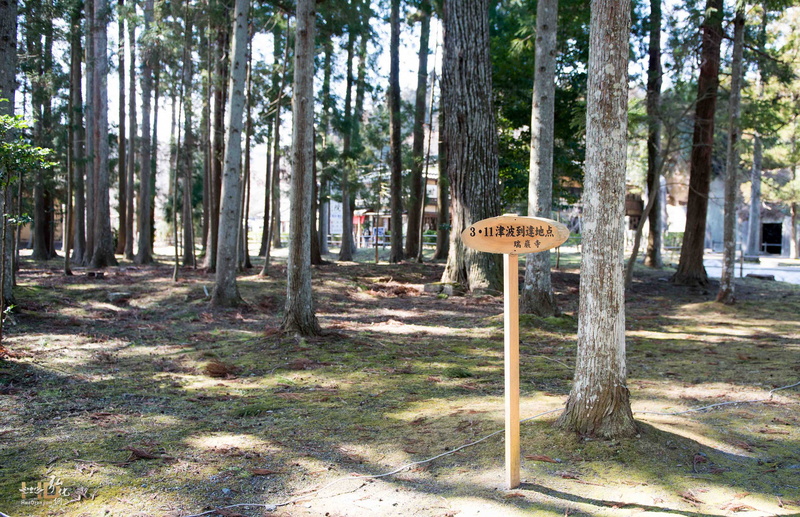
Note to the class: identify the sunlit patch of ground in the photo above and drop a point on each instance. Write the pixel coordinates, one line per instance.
(118, 400)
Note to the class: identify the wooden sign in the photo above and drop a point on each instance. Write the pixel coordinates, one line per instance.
(513, 235)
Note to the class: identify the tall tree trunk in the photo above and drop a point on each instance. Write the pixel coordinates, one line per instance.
(652, 256)
(172, 168)
(41, 102)
(131, 166)
(154, 145)
(356, 146)
(690, 269)
(218, 147)
(417, 197)
(79, 137)
(395, 155)
(325, 128)
(188, 143)
(346, 250)
(91, 151)
(471, 136)
(537, 296)
(299, 316)
(8, 67)
(442, 196)
(726, 288)
(244, 251)
(205, 133)
(103, 253)
(262, 250)
(226, 292)
(122, 178)
(275, 225)
(316, 256)
(754, 220)
(599, 402)
(145, 245)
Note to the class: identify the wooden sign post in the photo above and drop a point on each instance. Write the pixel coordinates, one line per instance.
(512, 235)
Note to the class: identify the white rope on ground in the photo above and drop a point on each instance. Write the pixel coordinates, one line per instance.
(703, 408)
(273, 507)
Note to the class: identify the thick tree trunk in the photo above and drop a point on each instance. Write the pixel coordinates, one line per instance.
(395, 154)
(599, 402)
(690, 269)
(537, 295)
(188, 145)
(226, 292)
(40, 100)
(103, 252)
(8, 66)
(78, 139)
(145, 245)
(417, 197)
(89, 187)
(122, 177)
(131, 166)
(471, 136)
(299, 316)
(652, 256)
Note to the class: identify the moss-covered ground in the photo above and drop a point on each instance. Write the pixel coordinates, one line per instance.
(159, 405)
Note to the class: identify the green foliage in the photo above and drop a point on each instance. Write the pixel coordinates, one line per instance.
(512, 25)
(17, 155)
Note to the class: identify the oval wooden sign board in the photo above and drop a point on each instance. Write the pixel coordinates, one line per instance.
(514, 235)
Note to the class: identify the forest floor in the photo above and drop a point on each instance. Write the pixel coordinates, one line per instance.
(157, 405)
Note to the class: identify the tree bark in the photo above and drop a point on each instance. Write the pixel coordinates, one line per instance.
(325, 126)
(103, 253)
(652, 257)
(690, 269)
(442, 196)
(726, 293)
(91, 151)
(8, 67)
(346, 249)
(537, 295)
(599, 402)
(217, 148)
(226, 292)
(40, 46)
(471, 136)
(243, 261)
(395, 155)
(131, 166)
(78, 139)
(754, 220)
(122, 177)
(417, 194)
(188, 144)
(299, 316)
(145, 245)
